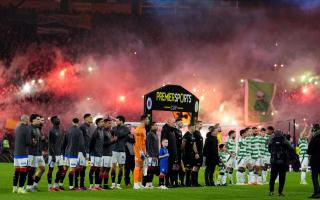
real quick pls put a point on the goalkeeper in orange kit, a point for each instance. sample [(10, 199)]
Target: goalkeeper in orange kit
[(139, 151)]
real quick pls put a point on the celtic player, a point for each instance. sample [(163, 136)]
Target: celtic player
[(248, 141), (303, 156), (241, 158), (231, 149), (266, 157), (256, 154), (223, 155)]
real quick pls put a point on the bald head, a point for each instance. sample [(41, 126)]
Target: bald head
[(24, 119), (171, 122)]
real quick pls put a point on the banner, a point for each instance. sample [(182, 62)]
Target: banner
[(258, 101)]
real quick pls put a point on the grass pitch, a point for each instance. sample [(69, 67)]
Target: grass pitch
[(293, 191)]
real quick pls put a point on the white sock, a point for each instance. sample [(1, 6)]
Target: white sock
[(35, 184), (264, 176), (256, 178), (250, 177), (219, 179), (230, 178), (70, 187), (60, 184), (242, 178), (224, 179), (49, 185), (15, 188), (259, 178), (303, 176), (238, 177)]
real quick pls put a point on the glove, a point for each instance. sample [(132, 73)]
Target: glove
[(142, 156)]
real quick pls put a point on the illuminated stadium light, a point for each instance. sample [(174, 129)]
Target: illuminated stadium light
[(293, 80), (221, 108), (275, 65), (282, 65), (242, 80), (90, 69), (26, 88), (122, 98), (202, 98), (88, 98), (316, 83), (305, 90), (214, 90), (40, 81), (33, 82), (62, 73)]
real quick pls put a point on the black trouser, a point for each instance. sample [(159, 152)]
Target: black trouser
[(172, 175), (315, 179), (129, 166), (281, 170), (208, 174)]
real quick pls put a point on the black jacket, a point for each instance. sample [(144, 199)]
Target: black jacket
[(314, 151), (287, 151), (168, 133), (210, 150)]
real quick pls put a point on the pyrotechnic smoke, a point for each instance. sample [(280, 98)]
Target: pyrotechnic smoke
[(121, 60)]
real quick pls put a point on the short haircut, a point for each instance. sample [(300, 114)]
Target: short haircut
[(270, 128), (121, 118), (153, 123), (24, 118), (98, 120), (86, 115), (212, 128), (75, 120), (263, 129), (107, 120), (221, 146), (164, 139), (33, 117), (231, 132), (254, 128), (143, 117), (242, 132), (53, 118), (179, 119)]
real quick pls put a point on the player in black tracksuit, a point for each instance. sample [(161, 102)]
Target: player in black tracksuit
[(178, 134), (189, 151), (96, 152), (108, 141), (85, 128), (72, 146), (22, 142), (197, 161), (55, 154)]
